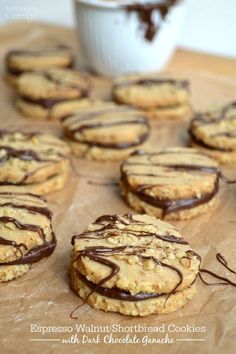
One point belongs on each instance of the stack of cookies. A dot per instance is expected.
(175, 183)
(214, 133)
(160, 97)
(26, 233)
(32, 162)
(133, 264)
(105, 131)
(52, 93)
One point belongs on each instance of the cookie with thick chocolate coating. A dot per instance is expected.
(26, 233)
(175, 183)
(133, 264)
(214, 133)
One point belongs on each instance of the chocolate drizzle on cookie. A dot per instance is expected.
(224, 281)
(42, 156)
(76, 125)
(202, 120)
(149, 81)
(34, 254)
(146, 12)
(37, 52)
(167, 205)
(82, 87)
(100, 254)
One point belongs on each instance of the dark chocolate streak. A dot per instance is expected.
(169, 205)
(206, 146)
(20, 226)
(50, 102)
(155, 81)
(111, 226)
(35, 52)
(145, 14)
(97, 254)
(225, 281)
(24, 155)
(70, 134)
(18, 72)
(115, 293)
(201, 119)
(37, 253)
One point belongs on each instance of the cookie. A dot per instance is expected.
(133, 264)
(26, 233)
(175, 183)
(159, 97)
(19, 61)
(51, 94)
(105, 131)
(32, 162)
(214, 133)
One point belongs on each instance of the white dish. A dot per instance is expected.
(113, 42)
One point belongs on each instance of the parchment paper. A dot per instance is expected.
(43, 296)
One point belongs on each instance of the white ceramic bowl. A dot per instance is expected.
(113, 43)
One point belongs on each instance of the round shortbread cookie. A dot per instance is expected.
(19, 61)
(160, 97)
(51, 94)
(175, 183)
(136, 254)
(32, 162)
(159, 305)
(214, 132)
(105, 131)
(26, 233)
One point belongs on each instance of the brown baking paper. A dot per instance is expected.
(43, 298)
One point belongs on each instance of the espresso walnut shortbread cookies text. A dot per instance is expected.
(175, 183)
(32, 162)
(133, 264)
(105, 131)
(159, 97)
(26, 234)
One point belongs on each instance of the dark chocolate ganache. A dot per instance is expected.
(145, 13)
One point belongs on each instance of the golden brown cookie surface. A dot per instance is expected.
(22, 60)
(105, 131)
(43, 95)
(26, 233)
(32, 162)
(132, 258)
(215, 133)
(160, 97)
(174, 183)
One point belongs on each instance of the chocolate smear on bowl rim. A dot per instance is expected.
(145, 13)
